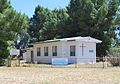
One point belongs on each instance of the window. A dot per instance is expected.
(72, 50)
(54, 50)
(45, 51)
(38, 51)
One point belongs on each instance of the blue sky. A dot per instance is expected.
(28, 6)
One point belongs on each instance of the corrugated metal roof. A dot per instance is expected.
(81, 39)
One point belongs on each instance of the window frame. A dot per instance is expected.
(46, 51)
(38, 51)
(54, 50)
(72, 50)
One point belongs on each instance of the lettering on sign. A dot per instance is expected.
(91, 50)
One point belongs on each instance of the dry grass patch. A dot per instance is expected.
(33, 75)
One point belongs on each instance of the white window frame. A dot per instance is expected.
(39, 51)
(46, 51)
(72, 50)
(54, 50)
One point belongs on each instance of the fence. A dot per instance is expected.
(99, 62)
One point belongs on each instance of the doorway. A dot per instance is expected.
(32, 57)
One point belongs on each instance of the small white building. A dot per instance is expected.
(79, 50)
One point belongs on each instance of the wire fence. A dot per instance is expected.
(99, 62)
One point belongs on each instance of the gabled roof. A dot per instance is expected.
(81, 39)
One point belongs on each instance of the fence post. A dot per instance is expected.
(106, 62)
(9, 61)
(75, 62)
(51, 63)
(103, 63)
(18, 58)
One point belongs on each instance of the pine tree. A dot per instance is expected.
(93, 18)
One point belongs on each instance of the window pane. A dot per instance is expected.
(72, 50)
(45, 51)
(54, 50)
(38, 51)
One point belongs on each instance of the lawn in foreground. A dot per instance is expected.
(35, 75)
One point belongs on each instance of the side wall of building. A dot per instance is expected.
(87, 55)
(63, 51)
(47, 59)
(27, 56)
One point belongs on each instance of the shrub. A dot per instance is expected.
(114, 56)
(2, 62)
(25, 65)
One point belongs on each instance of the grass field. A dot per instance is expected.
(35, 75)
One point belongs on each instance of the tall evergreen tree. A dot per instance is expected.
(93, 18)
(45, 23)
(36, 23)
(11, 22)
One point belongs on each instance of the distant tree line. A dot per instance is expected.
(95, 18)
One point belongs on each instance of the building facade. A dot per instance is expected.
(79, 50)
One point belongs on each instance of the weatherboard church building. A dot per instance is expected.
(79, 50)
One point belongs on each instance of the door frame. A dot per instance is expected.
(32, 56)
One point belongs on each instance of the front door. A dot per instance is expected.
(32, 57)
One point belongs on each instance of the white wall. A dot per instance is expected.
(27, 56)
(72, 59)
(63, 51)
(88, 57)
(47, 59)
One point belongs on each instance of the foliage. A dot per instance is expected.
(114, 56)
(11, 22)
(45, 23)
(53, 24)
(36, 23)
(93, 18)
(23, 37)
